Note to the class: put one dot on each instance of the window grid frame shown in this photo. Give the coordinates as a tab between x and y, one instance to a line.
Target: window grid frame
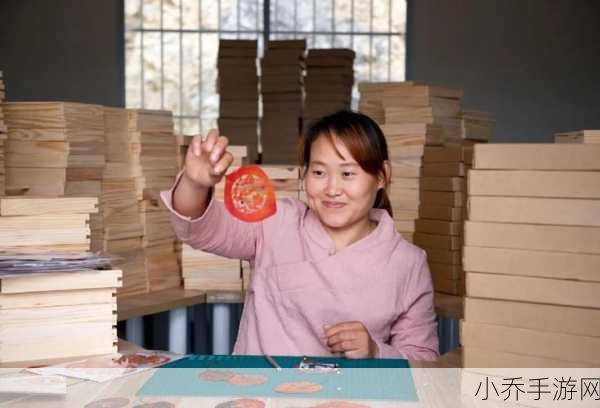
266	32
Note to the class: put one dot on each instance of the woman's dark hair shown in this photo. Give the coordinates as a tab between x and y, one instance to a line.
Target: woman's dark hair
362	137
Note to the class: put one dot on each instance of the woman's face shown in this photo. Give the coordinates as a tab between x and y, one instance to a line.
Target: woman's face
337	188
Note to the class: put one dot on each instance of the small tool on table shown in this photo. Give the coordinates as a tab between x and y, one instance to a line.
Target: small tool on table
272	361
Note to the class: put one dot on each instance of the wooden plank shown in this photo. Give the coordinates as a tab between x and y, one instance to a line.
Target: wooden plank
57	298
43	222
158	301
536	156
39	206
62	281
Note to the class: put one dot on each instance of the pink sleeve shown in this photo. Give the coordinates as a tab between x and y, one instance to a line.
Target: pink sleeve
216	231
414	334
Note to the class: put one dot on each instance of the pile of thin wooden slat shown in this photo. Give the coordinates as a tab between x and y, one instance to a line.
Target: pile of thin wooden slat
154	164
123	231
50	314
55	149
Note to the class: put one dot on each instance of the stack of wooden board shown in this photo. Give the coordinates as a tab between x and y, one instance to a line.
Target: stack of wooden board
439	228
238	90
581	136
408	116
154	161
476	125
58	315
123	231
205	271
2	135
425	104
183	142
371	99
532	256
281	89
55	148
328	83
46	224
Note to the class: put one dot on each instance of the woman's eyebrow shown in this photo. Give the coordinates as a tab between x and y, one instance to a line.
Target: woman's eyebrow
320	163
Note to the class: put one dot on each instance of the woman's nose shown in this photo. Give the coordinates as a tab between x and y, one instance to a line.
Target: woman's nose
333	187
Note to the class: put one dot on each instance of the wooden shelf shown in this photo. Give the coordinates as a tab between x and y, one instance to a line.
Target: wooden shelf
155	302
449	306
224	296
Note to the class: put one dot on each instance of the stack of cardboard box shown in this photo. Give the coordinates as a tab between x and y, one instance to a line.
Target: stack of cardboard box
581	136
281	85
328	83
238	91
439	229
411	117
532	256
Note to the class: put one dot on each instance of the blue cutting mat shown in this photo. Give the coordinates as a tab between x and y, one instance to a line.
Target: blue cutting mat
373	379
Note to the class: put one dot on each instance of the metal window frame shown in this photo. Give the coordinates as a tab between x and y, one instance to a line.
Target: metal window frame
266	32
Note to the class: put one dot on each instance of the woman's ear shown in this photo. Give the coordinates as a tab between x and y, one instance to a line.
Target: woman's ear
386	177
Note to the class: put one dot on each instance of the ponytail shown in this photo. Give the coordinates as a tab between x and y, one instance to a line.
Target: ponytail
382	201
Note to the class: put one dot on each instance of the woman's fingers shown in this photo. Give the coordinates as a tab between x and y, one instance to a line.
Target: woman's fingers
210	141
223	164
196	146
218	149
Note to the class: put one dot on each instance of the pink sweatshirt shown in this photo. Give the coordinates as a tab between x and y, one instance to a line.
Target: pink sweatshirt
300	283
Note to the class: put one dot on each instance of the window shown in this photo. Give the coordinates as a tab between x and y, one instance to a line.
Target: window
171	45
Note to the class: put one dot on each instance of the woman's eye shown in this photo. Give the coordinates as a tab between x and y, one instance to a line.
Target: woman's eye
318	172
348	174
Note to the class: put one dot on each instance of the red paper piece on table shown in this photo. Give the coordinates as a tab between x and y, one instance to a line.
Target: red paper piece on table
249	194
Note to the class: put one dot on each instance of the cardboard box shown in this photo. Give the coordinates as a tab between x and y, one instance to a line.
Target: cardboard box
556	184
447	242
407	151
558	346
480	357
444	170
445	184
557	265
534	237
439	227
405	225
446	271
582	136
537	156
436	212
551	211
443	198
443	256
535	316
449	286
534	290
406	215
444	154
